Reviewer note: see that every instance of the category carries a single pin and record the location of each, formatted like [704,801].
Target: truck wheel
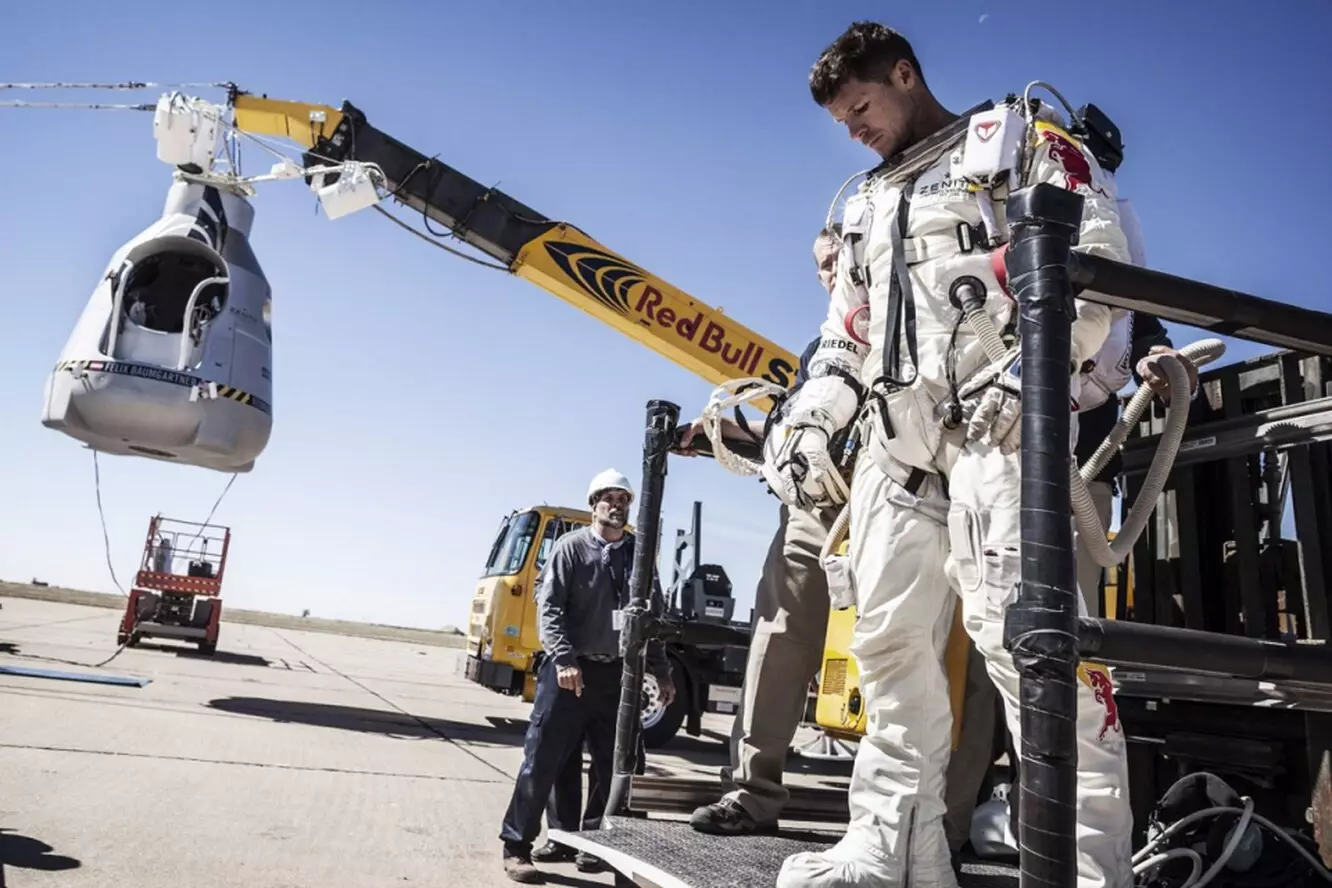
[661,723]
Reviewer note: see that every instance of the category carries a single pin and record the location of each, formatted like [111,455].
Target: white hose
[983,326]
[1094,533]
[1202,352]
[836,533]
[725,397]
[1102,550]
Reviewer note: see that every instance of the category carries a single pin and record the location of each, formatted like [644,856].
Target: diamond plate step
[670,854]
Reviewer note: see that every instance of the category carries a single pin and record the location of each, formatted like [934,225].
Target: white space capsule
[172,357]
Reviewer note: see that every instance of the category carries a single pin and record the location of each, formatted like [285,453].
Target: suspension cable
[126,85]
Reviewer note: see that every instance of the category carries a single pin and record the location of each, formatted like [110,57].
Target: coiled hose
[1094,533]
[733,393]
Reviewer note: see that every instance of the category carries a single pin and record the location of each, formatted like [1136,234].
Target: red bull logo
[1077,170]
[1097,677]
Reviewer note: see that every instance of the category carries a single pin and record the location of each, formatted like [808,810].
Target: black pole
[1040,629]
[1216,309]
[1123,643]
[662,417]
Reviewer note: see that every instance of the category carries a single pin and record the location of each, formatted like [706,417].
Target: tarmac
[289,759]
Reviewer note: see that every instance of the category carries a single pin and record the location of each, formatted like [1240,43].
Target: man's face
[826,247]
[611,508]
[878,115]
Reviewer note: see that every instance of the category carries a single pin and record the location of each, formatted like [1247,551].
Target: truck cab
[502,628]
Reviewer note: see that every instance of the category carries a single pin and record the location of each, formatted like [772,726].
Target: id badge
[617,620]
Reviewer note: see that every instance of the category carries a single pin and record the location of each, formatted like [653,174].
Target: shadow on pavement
[508,725]
[193,653]
[24,852]
[369,721]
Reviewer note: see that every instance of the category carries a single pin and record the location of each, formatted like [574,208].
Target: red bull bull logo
[1077,170]
[1097,677]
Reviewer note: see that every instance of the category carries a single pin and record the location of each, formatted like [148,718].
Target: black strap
[915,480]
[901,302]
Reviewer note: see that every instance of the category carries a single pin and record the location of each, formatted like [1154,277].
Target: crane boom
[554,255]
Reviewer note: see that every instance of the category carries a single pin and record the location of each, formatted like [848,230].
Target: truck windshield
[514,542]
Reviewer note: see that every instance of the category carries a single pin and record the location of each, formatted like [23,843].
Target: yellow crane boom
[555,255]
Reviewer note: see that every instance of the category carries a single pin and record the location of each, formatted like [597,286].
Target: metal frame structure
[1043,631]
[166,604]
[1257,458]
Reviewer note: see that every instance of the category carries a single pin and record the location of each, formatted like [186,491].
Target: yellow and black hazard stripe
[234,394]
[171,377]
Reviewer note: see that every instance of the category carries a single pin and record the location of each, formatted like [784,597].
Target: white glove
[797,464]
[993,397]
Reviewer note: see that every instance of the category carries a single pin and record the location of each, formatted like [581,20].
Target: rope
[726,396]
[106,537]
[87,106]
[128,84]
[435,243]
[189,547]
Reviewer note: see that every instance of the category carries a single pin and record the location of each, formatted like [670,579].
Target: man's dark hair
[866,51]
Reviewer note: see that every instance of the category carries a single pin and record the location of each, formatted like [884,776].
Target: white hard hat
[611,479]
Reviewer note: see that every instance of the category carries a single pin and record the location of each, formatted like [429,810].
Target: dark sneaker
[728,818]
[587,863]
[553,852]
[519,868]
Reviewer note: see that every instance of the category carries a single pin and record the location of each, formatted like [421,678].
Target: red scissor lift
[166,604]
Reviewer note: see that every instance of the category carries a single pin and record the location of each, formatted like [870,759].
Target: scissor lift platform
[166,604]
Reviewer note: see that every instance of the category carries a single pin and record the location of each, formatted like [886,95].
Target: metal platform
[670,854]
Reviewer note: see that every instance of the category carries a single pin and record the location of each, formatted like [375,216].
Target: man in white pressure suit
[934,495]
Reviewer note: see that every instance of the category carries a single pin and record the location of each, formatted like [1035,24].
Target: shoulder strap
[901,302]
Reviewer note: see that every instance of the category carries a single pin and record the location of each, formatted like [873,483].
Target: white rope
[727,396]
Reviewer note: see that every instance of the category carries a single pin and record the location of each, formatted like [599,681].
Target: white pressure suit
[934,508]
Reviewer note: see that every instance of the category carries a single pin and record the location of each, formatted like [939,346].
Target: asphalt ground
[289,758]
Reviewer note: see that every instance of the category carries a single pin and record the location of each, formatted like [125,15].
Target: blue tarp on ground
[95,678]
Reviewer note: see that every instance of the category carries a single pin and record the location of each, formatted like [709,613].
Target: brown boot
[518,867]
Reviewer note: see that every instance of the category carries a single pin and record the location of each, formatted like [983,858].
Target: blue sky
[418,398]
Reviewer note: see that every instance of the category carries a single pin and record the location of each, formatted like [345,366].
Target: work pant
[566,799]
[785,652]
[910,551]
[1090,573]
[560,723]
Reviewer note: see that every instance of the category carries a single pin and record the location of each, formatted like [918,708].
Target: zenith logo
[604,276]
[986,129]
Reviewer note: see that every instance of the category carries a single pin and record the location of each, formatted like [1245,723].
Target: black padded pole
[662,417]
[1041,629]
[1124,643]
[1218,310]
